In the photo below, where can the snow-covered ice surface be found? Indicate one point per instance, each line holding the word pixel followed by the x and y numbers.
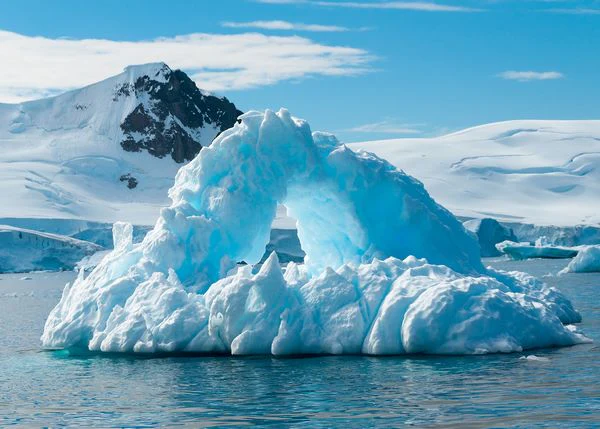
pixel 536 172
pixel 520 251
pixel 586 261
pixel 24 250
pixel 362 289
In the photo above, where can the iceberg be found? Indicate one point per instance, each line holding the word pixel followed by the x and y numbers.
pixel 586 261
pixel 387 270
pixel 539 249
pixel 489 233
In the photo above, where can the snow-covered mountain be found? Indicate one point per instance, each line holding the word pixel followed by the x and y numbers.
pixel 538 172
pixel 108 151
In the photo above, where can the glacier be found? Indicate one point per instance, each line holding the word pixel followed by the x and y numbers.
pixel 387 270
pixel 526 241
pixel 569 236
pixel 24 250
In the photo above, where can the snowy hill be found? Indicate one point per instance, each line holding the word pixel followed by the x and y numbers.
pixel 108 151
pixel 538 172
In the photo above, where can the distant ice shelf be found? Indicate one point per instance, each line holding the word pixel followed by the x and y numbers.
pixel 25 250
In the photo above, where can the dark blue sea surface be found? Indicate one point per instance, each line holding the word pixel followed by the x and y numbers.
pixel 557 388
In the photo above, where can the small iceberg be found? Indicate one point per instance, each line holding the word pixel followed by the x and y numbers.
pixel 539 249
pixel 534 358
pixel 586 261
pixel 387 270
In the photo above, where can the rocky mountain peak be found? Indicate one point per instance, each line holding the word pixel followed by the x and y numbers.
pixel 172 116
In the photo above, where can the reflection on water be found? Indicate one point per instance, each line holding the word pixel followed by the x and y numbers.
pixel 52 388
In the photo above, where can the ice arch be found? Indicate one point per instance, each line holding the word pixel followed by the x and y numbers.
pixel 358 217
pixel 350 206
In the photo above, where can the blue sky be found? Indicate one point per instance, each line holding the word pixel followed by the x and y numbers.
pixel 362 69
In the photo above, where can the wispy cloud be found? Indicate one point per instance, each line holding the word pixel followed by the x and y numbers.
pixel 281 1
pixel 387 126
pixel 526 76
pixel 398 5
pixel 576 11
pixel 37 66
pixel 285 25
pixel 387 5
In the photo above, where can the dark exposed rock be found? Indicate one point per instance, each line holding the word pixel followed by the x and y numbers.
pixel 123 91
pixel 172 121
pixel 131 181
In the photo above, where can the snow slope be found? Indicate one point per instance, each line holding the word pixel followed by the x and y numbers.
pixel 538 172
pixel 360 290
pixel 108 151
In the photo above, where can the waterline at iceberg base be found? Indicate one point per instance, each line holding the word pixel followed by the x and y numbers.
pixel 388 270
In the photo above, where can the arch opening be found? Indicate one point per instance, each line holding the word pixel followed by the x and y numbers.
pixel 350 207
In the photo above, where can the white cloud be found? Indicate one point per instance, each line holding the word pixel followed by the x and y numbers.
pixel 35 66
pixel 526 76
pixel 398 5
pixel 285 25
pixel 387 126
pixel 576 11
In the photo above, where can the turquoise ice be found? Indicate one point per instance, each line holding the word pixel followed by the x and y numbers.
pixel 388 270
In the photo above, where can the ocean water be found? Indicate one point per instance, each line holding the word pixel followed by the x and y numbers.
pixel 558 388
